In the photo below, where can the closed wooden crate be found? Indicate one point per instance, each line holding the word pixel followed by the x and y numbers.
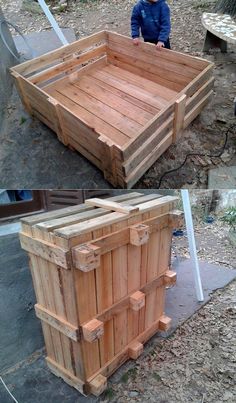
pixel 119 105
pixel 99 272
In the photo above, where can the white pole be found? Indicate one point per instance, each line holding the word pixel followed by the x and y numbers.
pixel 53 22
pixel 192 244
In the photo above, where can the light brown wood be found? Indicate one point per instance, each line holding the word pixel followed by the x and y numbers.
pixel 86 257
pixel 98 385
pixel 179 117
pixel 111 205
pixel 93 330
pixel 164 323
pixel 59 323
pixel 120 109
pixel 139 234
pixel 135 350
pixel 94 321
pixel 137 300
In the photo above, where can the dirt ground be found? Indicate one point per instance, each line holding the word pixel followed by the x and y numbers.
pixel 198 362
pixel 207 133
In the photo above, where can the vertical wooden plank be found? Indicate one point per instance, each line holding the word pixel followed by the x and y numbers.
pixel 134 271
pixel 152 269
pixel 85 285
pixel 179 117
pixel 165 249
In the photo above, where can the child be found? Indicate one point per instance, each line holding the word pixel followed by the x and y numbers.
pixel 153 17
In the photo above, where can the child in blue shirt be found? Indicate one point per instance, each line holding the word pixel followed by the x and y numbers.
pixel 153 18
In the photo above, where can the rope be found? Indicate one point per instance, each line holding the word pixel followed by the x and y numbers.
pixel 8 390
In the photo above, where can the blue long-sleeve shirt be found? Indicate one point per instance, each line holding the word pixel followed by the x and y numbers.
pixel 153 19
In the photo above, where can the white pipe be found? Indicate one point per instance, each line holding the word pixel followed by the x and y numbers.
pixel 192 244
pixel 53 22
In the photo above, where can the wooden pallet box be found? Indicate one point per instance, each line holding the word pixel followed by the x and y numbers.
pixel 119 105
pixel 99 272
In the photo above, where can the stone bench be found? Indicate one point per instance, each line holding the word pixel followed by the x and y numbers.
pixel 221 29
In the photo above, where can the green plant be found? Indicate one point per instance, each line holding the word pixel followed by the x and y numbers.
pixel 229 217
pixel 22 120
pixel 109 393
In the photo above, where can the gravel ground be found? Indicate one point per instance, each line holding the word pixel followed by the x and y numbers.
pixel 205 135
pixel 198 362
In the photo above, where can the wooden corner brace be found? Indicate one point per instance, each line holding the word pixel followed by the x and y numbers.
pixel 135 350
pixel 137 300
pixel 164 323
pixel 169 278
pixel 93 330
pixel 139 234
pixel 86 257
pixel 98 385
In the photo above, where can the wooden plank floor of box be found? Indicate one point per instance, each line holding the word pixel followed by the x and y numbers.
pixel 99 271
pixel 119 105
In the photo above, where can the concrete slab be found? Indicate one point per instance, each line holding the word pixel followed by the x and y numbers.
pixel 32 377
pixel 222 178
pixel 41 42
pixel 7 229
pixel 181 301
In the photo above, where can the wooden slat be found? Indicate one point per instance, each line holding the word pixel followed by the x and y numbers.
pixel 152 87
pixel 112 218
pixel 61 372
pixel 165 68
pixel 72 215
pixel 147 131
pixel 71 104
pixel 129 89
pixel 57 322
pixel 46 250
pixel 136 174
pixel 201 79
pixel 178 85
pixel 111 206
pixel 147 147
pixel 101 110
pixel 133 112
pixel 204 90
pixel 48 58
pixel 197 109
pixel 179 117
pixel 67 66
pixel 176 57
pixel 121 94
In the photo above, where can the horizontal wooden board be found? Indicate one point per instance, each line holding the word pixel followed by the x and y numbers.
pixel 176 57
pixel 197 109
pixel 59 54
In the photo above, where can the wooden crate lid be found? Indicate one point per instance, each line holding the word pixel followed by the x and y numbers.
pixel 73 221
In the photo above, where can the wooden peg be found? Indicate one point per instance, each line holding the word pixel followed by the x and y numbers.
pixel 164 323
pixel 93 330
pixel 98 385
pixel 139 234
pixel 137 300
pixel 86 257
pixel 135 350
pixel 169 277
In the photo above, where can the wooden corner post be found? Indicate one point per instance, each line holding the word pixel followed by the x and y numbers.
pixel 179 117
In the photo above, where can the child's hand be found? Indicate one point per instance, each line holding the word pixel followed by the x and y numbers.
pixel 160 45
pixel 136 41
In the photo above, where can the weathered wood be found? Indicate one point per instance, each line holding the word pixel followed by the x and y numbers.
pixel 95 320
pixel 123 108
pixel 47 251
pixel 60 324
